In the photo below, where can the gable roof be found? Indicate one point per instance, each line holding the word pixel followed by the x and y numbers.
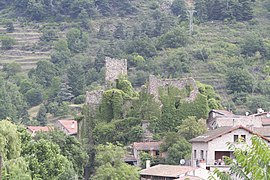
pixel 172 171
pixel 147 146
pixel 265 121
pixel 222 112
pixel 264 131
pixel 33 129
pixel 189 178
pixel 69 125
pixel 213 134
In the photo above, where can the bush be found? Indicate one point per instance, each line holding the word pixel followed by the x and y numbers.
pixel 9 27
pixel 173 39
pixel 7 42
pixel 33 97
pixel 79 99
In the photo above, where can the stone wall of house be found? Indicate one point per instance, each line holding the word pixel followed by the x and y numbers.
pixel 155 84
pixel 114 68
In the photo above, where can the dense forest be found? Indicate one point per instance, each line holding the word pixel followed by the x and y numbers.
pixel 223 44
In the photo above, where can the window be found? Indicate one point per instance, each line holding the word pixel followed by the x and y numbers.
pixel 235 138
pixel 202 154
pixel 195 154
pixel 243 138
pixel 157 153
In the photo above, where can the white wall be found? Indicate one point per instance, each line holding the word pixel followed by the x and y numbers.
pixel 198 146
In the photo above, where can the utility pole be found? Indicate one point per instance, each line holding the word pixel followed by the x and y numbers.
pixel 190 16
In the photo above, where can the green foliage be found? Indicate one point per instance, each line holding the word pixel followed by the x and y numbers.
pixel 239 80
pixel 33 97
pixel 48 35
pixel 12 102
pixel 222 10
pixel 76 79
pixel 61 54
pixel 42 115
pixel 7 42
pixel 119 32
pixel 143 46
pixel 176 147
pixel 111 104
pixel 110 164
pixel 176 37
pixel 70 147
pixel 11 69
pixel 178 8
pixel 252 44
pixel 125 131
pixel 79 99
pixel 126 87
pixel 44 73
pixel 191 127
pixel 10 143
pixel 251 161
pixel 10 27
pixel 16 169
pixel 77 40
pixel 45 160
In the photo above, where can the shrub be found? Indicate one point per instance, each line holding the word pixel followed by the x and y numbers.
pixel 7 42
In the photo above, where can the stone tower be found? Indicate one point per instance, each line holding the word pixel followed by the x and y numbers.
pixel 114 68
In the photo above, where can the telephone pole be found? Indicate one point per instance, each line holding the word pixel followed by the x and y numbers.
pixel 190 16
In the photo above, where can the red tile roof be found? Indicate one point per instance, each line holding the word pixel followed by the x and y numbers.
pixel 147 146
pixel 173 171
pixel 70 126
pixel 265 121
pixel 213 134
pixel 33 129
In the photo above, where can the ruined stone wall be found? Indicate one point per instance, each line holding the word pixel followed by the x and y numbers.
pixel 114 68
pixel 93 98
pixel 155 84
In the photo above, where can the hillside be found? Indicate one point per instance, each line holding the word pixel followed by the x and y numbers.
pixel 228 49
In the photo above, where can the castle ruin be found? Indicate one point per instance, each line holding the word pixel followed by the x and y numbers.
pixel 114 68
pixel 155 84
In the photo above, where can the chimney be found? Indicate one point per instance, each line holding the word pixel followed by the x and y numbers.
pixel 73 125
pixel 147 164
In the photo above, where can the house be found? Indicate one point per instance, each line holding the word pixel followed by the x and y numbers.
pixel 33 129
pixel 152 147
pixel 172 172
pixel 210 148
pixel 219 118
pixel 68 126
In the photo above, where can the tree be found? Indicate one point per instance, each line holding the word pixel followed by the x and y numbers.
pixel 61 54
pixel 178 8
pixel 239 80
pixel 7 42
pixel 64 93
pixel 45 72
pixel 177 37
pixel 119 32
pixel 252 44
pixel 14 166
pixel 9 27
pixel 41 116
pixel 33 97
pixel 45 160
pixel 251 161
pixel 70 147
pixel 11 69
pixel 77 40
pixel 76 79
pixel 191 128
pixel 110 164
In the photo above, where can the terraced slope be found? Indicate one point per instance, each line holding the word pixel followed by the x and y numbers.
pixel 24 51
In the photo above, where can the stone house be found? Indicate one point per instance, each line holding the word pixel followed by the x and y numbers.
pixel 219 118
pixel 152 148
pixel 209 149
pixel 68 126
pixel 173 172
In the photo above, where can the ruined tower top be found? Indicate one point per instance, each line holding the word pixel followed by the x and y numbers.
pixel 114 68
